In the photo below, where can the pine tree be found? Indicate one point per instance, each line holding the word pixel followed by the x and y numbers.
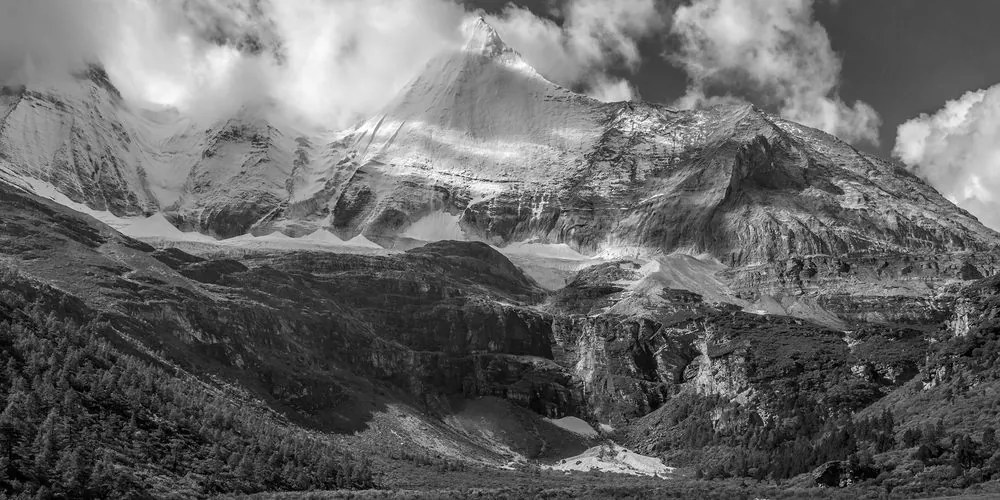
pixel 72 471
pixel 989 438
pixel 46 444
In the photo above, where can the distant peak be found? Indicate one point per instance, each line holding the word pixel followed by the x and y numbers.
pixel 483 39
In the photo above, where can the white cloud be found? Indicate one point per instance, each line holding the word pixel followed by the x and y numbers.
pixel 957 149
pixel 330 61
pixel 346 59
pixel 595 37
pixel 610 89
pixel 771 52
pixel 41 39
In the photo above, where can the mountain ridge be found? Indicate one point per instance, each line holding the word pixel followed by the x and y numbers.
pixel 476 123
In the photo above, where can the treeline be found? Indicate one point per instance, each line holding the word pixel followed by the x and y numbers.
pixel 81 419
pixel 803 434
pixel 798 440
pixel 935 446
pixel 779 455
pixel 801 439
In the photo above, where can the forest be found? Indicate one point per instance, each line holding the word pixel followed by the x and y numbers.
pixel 82 419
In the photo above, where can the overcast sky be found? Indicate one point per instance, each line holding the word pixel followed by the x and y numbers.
pixel 912 79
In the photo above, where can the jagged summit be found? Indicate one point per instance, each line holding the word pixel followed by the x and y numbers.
pixel 484 40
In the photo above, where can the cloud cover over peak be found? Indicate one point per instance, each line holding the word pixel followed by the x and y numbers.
pixel 957 149
pixel 770 52
pixel 330 62
pixel 594 38
pixel 333 62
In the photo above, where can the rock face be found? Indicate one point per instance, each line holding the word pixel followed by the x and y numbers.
pixel 239 180
pixel 633 354
pixel 81 140
pixel 75 137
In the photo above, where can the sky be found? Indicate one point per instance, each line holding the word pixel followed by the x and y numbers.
pixel 914 80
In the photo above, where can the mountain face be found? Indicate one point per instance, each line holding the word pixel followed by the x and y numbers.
pixel 730 292
pixel 79 139
pixel 481 136
pixel 75 137
pixel 239 176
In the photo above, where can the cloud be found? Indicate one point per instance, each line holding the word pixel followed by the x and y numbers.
pixel 594 38
pixel 349 57
pixel 204 55
pixel 957 149
pixel 41 39
pixel 771 52
pixel 331 62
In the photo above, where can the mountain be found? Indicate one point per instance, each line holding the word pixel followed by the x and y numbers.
pixel 723 292
pixel 482 142
pixel 77 138
pixel 473 126
pixel 240 175
pixel 481 135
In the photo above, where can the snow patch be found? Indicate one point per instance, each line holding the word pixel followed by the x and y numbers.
pixel 436 226
pixel 574 425
pixel 614 459
pixel 323 237
pixel 547 250
pixel 46 190
pixel 157 226
pixel 276 236
pixel 361 241
pixel 317 240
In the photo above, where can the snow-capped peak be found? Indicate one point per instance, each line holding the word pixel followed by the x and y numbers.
pixel 483 39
